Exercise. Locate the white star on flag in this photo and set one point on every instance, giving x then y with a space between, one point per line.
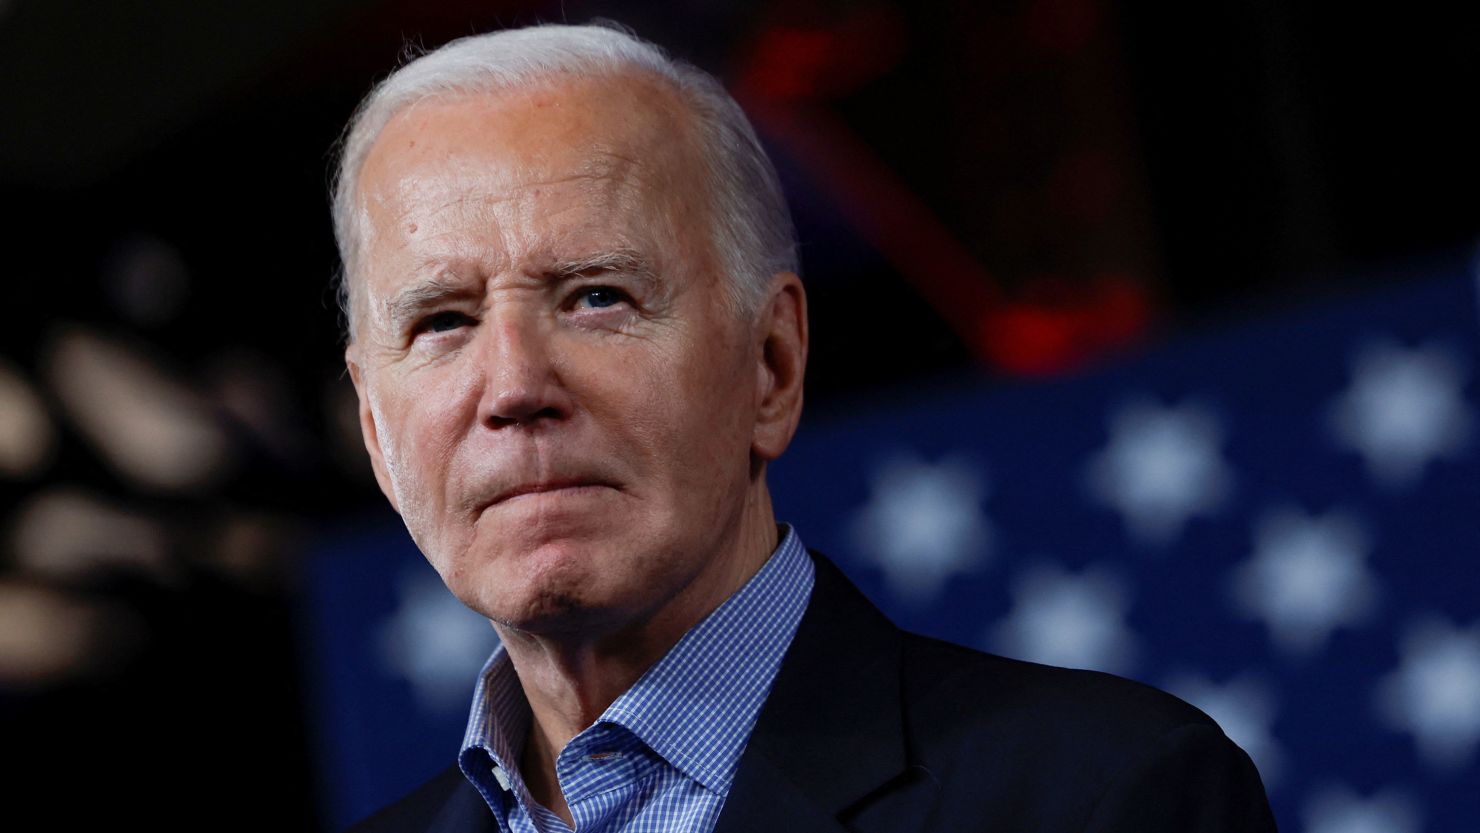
1435 692
1161 467
923 523
435 643
1244 708
1404 409
1306 578
1076 621
1339 810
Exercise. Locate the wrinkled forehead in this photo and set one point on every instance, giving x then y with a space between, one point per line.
618 151
623 128
580 185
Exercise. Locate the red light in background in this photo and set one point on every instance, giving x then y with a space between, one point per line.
1038 338
1051 327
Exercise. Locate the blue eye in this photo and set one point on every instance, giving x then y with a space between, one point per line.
600 297
442 322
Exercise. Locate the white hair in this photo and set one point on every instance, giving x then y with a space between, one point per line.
751 227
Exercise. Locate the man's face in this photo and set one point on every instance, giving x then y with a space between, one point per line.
555 395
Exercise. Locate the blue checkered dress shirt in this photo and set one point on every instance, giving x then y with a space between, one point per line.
662 757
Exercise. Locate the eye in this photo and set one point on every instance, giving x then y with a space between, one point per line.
441 322
599 297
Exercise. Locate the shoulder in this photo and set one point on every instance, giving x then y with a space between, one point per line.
960 685
953 697
956 696
1029 746
1077 746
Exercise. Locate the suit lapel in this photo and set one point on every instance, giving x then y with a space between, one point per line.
464 812
831 731
764 799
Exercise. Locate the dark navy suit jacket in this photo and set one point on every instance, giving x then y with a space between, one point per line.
871 729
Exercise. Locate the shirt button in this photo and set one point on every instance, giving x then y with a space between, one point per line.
501 777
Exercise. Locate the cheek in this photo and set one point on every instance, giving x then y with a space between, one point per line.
417 436
706 414
722 390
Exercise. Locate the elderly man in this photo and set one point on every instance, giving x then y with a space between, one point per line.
578 337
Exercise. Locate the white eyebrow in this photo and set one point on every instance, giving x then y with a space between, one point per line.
412 302
408 304
623 260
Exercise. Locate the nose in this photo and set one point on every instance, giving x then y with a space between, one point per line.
521 380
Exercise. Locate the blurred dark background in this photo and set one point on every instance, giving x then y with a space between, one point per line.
1013 191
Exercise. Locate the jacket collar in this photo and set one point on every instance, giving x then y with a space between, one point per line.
831 732
829 742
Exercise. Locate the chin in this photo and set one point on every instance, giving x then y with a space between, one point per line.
550 610
551 588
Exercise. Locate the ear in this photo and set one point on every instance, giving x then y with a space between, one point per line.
781 366
367 427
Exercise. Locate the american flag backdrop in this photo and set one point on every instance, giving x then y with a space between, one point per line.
1275 519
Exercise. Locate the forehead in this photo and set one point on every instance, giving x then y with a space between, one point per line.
624 130
514 173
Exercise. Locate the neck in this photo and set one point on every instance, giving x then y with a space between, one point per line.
569 679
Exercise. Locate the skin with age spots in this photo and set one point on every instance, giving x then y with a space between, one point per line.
554 392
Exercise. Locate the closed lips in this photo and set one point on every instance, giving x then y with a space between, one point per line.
548 486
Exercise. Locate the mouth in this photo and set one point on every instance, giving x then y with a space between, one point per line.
571 486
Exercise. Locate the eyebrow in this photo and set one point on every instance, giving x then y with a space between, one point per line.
411 303
624 260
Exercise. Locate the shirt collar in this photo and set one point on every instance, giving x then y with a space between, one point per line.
500 717
696 706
